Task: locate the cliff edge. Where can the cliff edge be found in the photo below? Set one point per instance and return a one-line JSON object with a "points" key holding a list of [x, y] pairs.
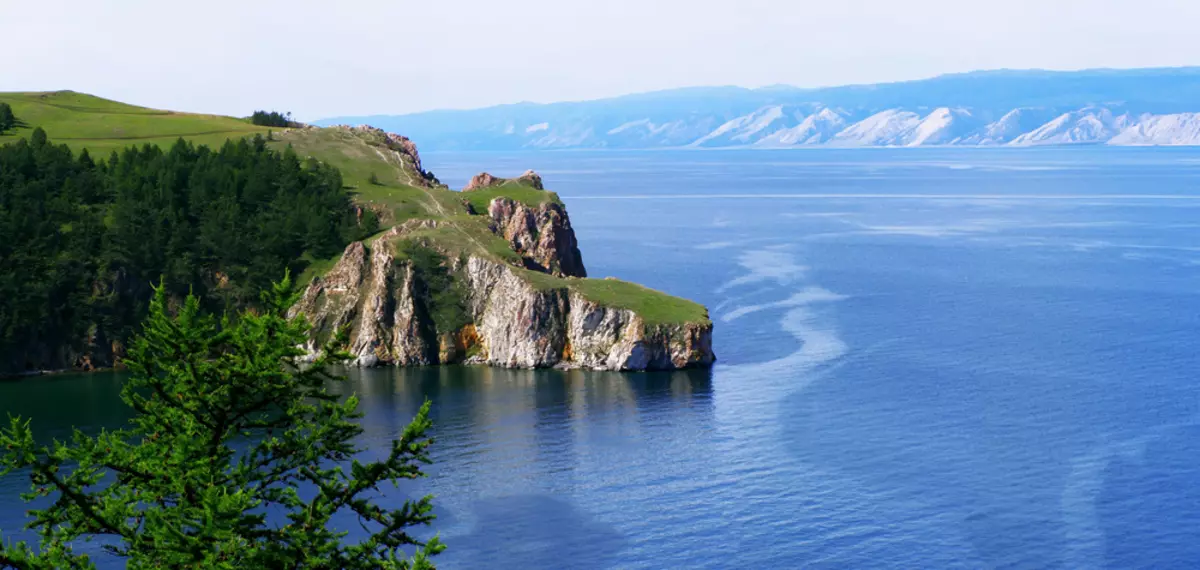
{"points": [[498, 280]]}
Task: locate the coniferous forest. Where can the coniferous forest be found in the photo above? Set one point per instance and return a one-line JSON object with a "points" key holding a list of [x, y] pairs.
{"points": [[86, 238]]}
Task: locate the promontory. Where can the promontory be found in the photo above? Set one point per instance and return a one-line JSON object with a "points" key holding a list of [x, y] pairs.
{"points": [[492, 274]]}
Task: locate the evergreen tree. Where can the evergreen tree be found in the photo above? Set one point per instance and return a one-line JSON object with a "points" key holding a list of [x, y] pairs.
{"points": [[272, 119], [7, 119], [237, 457]]}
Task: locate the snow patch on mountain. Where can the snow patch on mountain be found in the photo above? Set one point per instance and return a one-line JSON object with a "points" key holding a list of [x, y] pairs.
{"points": [[1088, 125], [1176, 129], [762, 121], [584, 137], [537, 127], [1012, 125], [748, 128], [816, 128], [632, 125], [886, 128], [941, 127]]}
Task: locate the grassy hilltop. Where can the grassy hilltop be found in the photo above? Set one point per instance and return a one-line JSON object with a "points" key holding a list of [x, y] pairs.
{"points": [[83, 121], [378, 178]]}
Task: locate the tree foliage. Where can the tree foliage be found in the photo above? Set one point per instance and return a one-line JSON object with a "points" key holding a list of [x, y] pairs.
{"points": [[237, 457], [272, 119], [7, 119], [83, 239]]}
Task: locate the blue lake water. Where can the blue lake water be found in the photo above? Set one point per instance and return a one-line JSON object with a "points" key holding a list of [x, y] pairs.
{"points": [[927, 358]]}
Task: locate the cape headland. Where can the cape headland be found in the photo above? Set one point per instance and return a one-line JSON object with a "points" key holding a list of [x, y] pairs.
{"points": [[491, 274]]}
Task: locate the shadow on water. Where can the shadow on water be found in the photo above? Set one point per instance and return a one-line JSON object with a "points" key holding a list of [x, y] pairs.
{"points": [[535, 531]]}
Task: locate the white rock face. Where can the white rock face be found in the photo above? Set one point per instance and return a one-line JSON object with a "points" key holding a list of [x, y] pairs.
{"points": [[518, 325], [373, 294], [1177, 129]]}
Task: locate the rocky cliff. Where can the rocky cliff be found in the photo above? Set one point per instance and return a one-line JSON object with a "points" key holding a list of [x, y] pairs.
{"points": [[486, 180], [529, 309], [542, 234]]}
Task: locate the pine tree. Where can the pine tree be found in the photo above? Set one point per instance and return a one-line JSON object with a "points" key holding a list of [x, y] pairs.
{"points": [[228, 427], [7, 119]]}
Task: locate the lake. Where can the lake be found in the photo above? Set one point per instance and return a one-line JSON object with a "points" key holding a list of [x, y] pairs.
{"points": [[927, 358]]}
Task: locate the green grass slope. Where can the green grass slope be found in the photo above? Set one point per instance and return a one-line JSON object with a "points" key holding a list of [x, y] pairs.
{"points": [[512, 189], [378, 178], [100, 125]]}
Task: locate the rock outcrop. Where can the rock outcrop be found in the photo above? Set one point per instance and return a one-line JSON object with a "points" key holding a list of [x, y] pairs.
{"points": [[513, 323], [531, 178], [541, 234], [374, 294], [482, 180], [486, 180], [432, 292], [403, 150]]}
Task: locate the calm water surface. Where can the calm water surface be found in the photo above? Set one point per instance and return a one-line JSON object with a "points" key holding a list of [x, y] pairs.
{"points": [[928, 358]]}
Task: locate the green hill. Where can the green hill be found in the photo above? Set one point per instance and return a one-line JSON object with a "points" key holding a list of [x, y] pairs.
{"points": [[100, 125], [379, 175]]}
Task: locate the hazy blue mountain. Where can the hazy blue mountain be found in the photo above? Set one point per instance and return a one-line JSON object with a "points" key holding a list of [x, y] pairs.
{"points": [[1136, 106]]}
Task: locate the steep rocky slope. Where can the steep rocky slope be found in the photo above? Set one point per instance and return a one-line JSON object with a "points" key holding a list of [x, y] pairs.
{"points": [[542, 234], [516, 313], [492, 274]]}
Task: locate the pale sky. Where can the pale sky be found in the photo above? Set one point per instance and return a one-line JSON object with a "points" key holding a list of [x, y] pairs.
{"points": [[355, 57]]}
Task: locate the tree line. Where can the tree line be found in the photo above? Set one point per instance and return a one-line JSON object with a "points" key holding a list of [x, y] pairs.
{"points": [[84, 239], [272, 119]]}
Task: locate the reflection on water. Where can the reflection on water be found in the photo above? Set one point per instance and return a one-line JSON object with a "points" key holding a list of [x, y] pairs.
{"points": [[499, 435], [516, 449], [62, 401]]}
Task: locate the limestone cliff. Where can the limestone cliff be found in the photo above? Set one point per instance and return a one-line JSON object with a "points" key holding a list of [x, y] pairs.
{"points": [[532, 313]]}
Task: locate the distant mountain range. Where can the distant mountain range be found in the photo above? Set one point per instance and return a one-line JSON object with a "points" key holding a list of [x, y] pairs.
{"points": [[986, 108]]}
